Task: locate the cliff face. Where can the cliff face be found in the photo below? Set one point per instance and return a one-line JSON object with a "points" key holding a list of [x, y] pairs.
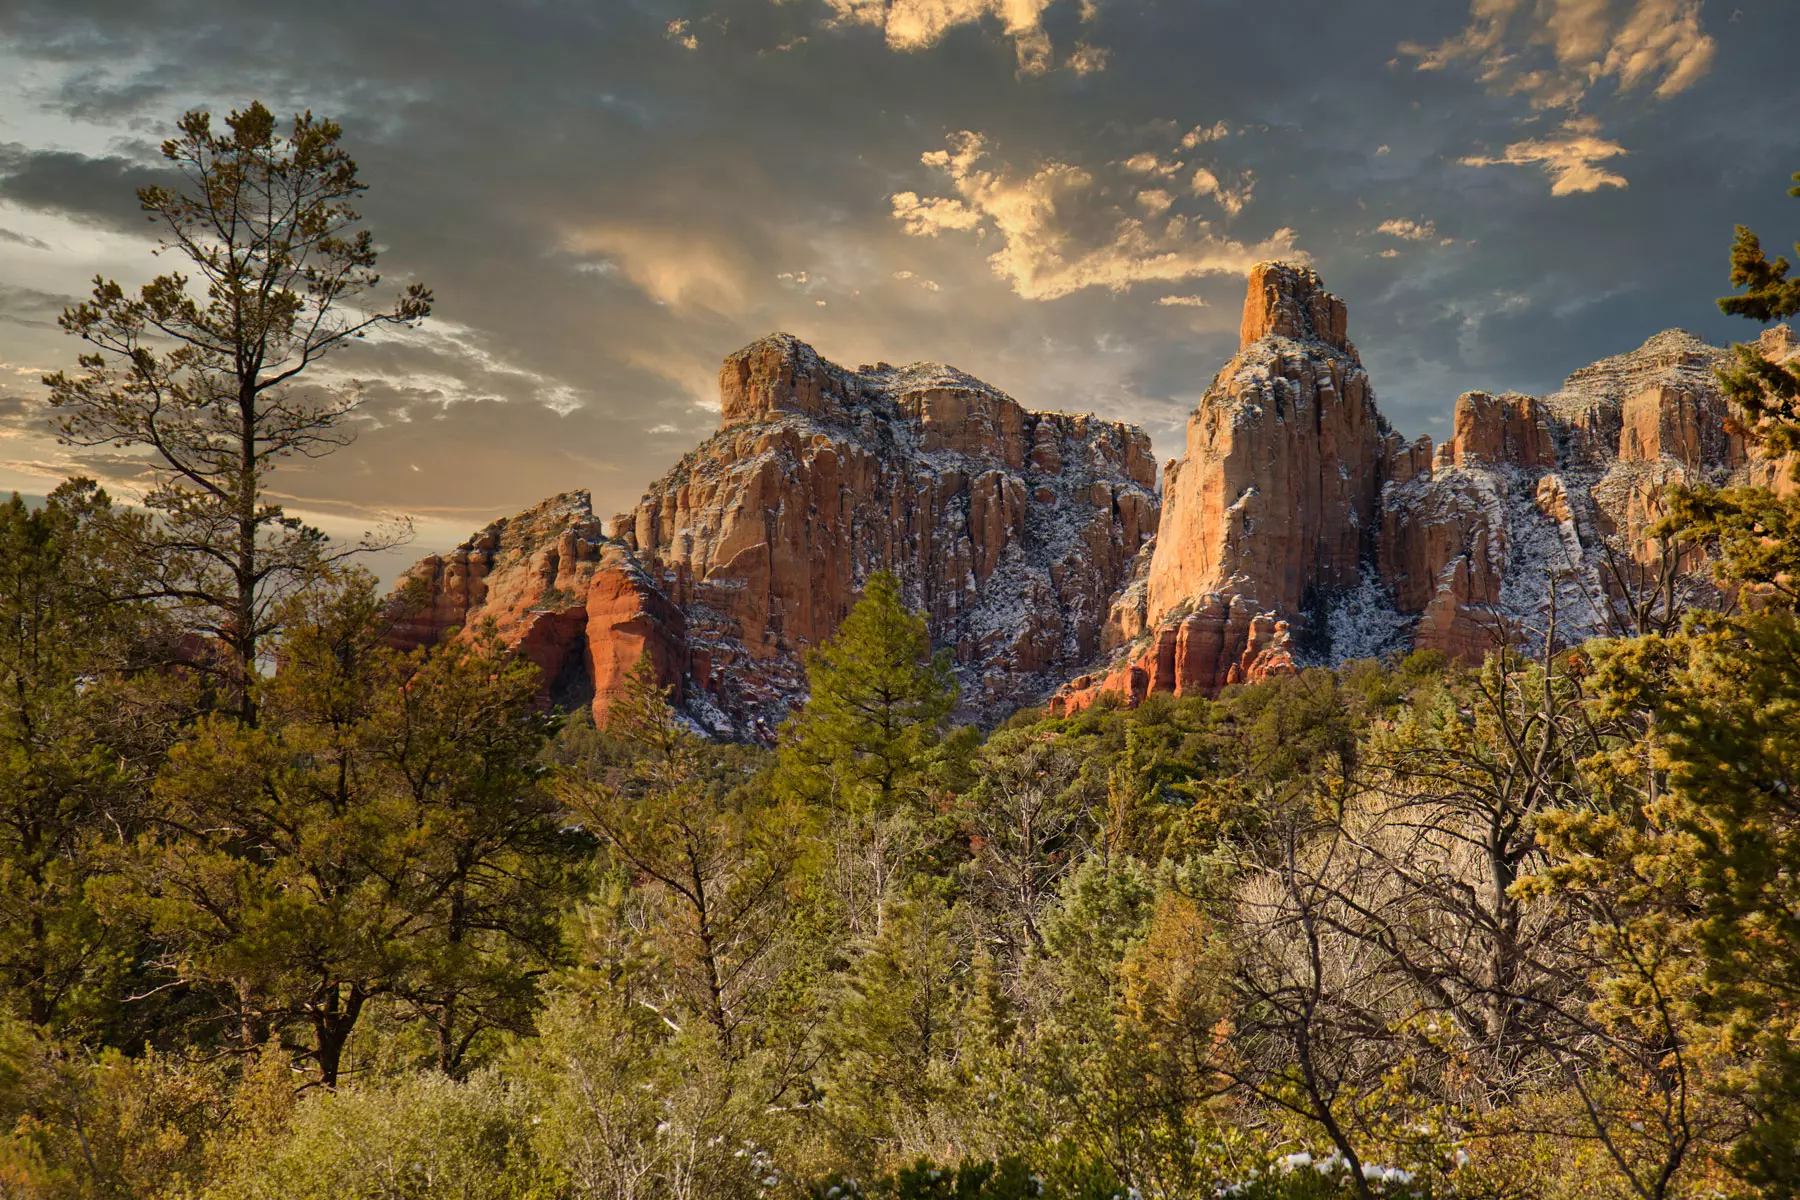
{"points": [[1010, 529], [1296, 528], [1512, 523], [1296, 507], [1274, 504]]}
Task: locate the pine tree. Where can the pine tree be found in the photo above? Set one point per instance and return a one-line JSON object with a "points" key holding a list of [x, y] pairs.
{"points": [[378, 836], [879, 706], [1755, 531], [714, 867], [202, 377], [84, 718]]}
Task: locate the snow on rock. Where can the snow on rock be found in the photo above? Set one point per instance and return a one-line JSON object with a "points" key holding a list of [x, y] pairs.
{"points": [[1011, 530]]}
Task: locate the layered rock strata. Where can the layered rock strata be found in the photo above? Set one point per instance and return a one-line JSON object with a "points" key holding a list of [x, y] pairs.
{"points": [[1010, 529], [1275, 502], [1297, 527], [1509, 533], [1295, 507]]}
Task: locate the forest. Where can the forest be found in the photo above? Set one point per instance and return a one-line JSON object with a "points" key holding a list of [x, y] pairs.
{"points": [[287, 912]]}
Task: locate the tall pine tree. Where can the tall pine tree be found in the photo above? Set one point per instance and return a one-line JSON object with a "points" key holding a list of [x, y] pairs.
{"points": [[880, 704]]}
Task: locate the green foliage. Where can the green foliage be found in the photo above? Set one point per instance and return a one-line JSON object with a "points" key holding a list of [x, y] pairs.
{"points": [[380, 833], [879, 703], [891, 1038], [720, 867], [197, 373], [84, 719], [422, 1137], [381, 928]]}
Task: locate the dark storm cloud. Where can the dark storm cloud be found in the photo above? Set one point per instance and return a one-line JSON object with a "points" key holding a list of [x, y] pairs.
{"points": [[102, 190], [608, 197]]}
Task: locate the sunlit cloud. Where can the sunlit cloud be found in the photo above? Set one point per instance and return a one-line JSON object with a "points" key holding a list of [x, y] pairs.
{"points": [[1061, 231], [1554, 52], [1571, 157], [1233, 198], [1557, 53], [670, 266], [1408, 230], [919, 24], [1202, 134]]}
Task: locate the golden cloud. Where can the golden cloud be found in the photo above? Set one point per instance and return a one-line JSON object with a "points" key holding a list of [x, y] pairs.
{"points": [[1571, 158], [1555, 52], [918, 24], [1060, 231]]}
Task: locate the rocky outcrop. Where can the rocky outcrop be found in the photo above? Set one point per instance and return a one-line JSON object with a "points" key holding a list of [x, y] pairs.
{"points": [[1297, 527], [1296, 509], [1275, 501], [550, 584], [1511, 528], [1010, 529]]}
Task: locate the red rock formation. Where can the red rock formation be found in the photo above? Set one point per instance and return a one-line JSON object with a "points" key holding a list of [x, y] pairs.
{"points": [[1010, 529], [1036, 545], [1276, 497], [1500, 429], [1281, 478], [549, 584]]}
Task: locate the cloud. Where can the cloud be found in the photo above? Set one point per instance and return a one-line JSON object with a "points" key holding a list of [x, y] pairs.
{"points": [[1150, 163], [1183, 301], [95, 190], [1061, 230], [1571, 158], [1086, 59], [1232, 199], [23, 239], [1204, 133], [1407, 229], [1558, 53], [920, 24], [682, 35], [445, 362], [671, 266], [1554, 52], [929, 285]]}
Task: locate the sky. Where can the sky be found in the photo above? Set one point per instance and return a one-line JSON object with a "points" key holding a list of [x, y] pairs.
{"points": [[1058, 196]]}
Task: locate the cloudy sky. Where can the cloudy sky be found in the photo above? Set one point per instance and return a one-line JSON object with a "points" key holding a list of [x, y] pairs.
{"points": [[1059, 196]]}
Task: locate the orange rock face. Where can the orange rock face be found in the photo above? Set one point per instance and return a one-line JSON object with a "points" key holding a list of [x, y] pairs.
{"points": [[1296, 528], [1010, 529], [1501, 429], [1294, 507], [1276, 498]]}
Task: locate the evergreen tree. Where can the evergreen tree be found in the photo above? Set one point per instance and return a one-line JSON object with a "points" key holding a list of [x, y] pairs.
{"points": [[83, 722], [717, 870], [1755, 531], [201, 373], [379, 834], [893, 1036], [879, 706]]}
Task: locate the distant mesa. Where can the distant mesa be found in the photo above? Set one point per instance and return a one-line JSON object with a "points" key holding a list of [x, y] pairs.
{"points": [[1297, 527]]}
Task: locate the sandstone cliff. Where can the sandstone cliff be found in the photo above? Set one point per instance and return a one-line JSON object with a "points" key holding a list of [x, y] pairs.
{"points": [[1297, 527], [1274, 504], [1010, 529], [1296, 508]]}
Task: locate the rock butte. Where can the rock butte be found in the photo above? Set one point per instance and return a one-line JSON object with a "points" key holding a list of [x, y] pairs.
{"points": [[1010, 529], [1296, 527]]}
